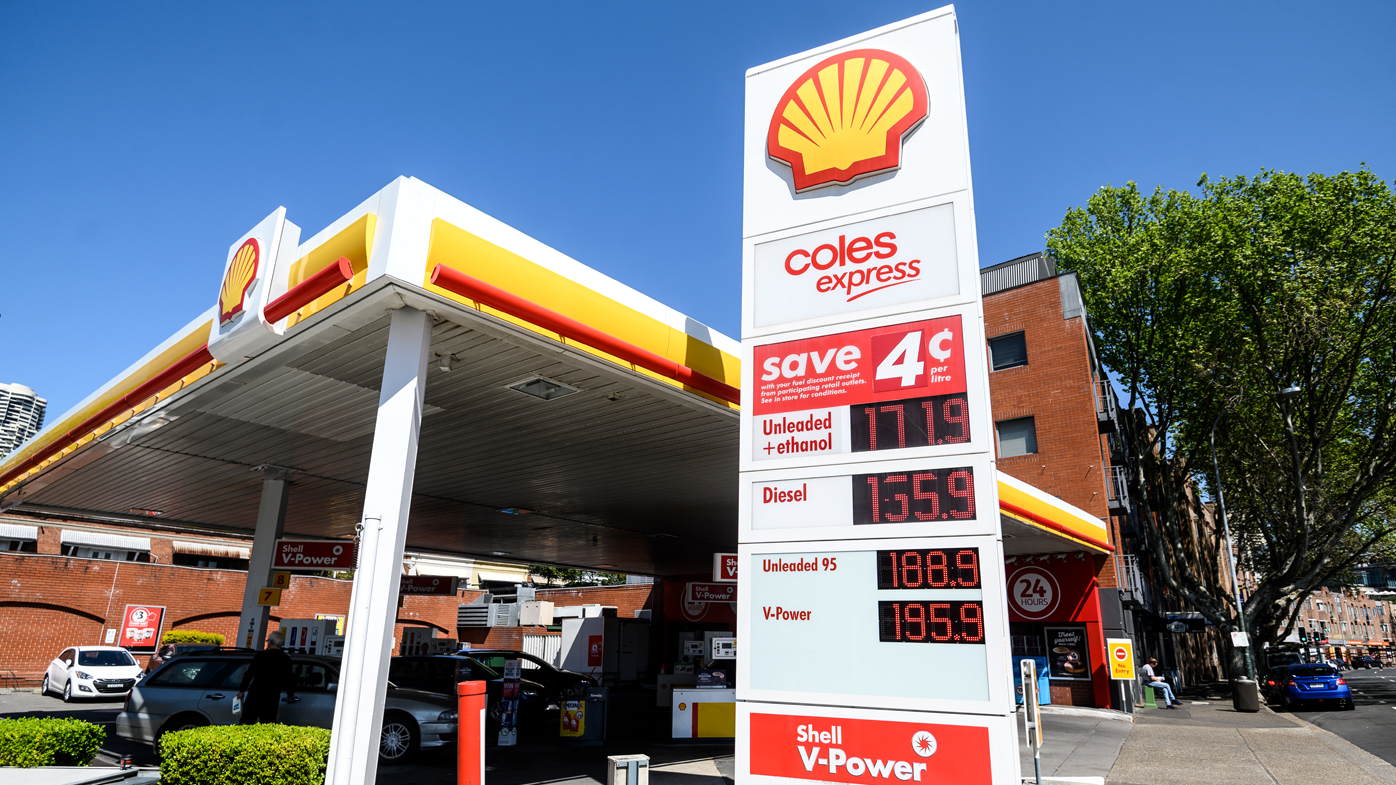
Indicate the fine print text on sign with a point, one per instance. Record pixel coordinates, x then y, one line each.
313 555
885 388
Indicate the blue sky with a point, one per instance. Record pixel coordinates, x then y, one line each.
138 140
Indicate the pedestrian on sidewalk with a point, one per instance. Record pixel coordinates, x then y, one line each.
269 675
1152 680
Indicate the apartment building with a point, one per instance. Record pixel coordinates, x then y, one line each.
21 416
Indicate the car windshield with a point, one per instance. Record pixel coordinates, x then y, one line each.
1311 672
98 659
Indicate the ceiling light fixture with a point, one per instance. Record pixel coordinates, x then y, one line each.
148 513
544 388
515 511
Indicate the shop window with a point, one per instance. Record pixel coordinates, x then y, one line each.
1008 351
1017 437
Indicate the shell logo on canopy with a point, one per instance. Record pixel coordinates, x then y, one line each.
242 272
846 118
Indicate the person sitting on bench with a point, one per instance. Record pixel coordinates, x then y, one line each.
1153 681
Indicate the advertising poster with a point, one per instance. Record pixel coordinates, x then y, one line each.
1067 653
594 650
140 627
573 720
509 705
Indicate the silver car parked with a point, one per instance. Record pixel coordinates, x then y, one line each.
197 689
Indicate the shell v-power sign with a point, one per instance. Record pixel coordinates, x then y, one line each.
873 615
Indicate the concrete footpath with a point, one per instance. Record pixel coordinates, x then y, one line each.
1206 742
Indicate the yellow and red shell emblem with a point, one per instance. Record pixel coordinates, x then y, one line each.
242 271
846 117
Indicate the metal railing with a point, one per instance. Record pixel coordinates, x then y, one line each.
1117 487
1106 407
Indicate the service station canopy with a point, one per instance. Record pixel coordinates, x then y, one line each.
635 471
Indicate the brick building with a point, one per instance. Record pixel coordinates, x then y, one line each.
1344 624
68 581
1057 429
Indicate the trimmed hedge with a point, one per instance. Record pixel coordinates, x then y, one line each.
191 636
49 741
244 755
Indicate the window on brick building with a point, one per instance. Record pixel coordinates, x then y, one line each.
1008 351
1017 437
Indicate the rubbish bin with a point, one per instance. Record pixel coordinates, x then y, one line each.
582 720
1245 695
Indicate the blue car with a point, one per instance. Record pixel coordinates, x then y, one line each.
1291 685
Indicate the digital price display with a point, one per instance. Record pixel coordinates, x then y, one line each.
914 422
928 568
868 603
924 495
930 622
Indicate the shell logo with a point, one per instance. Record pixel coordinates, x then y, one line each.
239 278
846 117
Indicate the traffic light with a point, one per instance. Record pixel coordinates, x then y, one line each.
1303 635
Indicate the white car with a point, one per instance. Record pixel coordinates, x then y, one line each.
90 672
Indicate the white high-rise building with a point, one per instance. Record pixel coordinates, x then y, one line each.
21 416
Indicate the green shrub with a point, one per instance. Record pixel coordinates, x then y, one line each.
192 636
244 755
49 741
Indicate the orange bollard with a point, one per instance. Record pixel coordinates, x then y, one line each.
470 735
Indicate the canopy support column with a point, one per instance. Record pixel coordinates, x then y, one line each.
271 520
363 675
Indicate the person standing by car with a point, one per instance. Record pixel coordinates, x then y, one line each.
269 675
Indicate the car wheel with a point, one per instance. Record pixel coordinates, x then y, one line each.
68 692
43 689
179 722
1348 705
399 739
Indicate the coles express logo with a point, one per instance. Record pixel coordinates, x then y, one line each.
855 255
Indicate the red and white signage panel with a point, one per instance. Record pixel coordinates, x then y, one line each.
858 746
429 585
725 567
712 592
140 627
313 555
869 516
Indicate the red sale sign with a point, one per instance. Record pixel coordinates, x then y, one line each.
868 751
881 364
140 627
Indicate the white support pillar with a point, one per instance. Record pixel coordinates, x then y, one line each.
363 675
271 519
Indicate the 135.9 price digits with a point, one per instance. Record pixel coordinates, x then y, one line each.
930 622
914 496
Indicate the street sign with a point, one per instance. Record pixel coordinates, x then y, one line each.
1240 640
1121 658
269 597
868 510
313 555
1177 626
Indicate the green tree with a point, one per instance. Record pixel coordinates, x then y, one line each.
1208 304
569 577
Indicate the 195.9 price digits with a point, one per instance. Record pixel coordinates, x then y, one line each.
930 622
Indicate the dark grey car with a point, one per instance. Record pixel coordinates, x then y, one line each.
194 690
